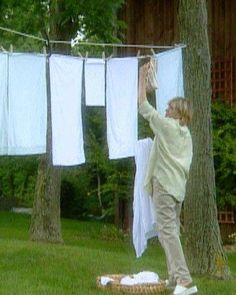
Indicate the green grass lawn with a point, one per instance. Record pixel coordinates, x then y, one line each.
90 249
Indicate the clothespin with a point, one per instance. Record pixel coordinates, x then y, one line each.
138 53
86 55
11 48
80 54
109 57
103 55
152 51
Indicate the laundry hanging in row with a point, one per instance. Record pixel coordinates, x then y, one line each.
23 114
23 101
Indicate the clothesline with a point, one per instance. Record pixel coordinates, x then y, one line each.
77 42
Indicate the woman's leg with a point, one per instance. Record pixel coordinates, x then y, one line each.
167 212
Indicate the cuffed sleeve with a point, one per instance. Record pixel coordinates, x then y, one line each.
146 110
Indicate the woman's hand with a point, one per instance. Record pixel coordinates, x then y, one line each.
143 70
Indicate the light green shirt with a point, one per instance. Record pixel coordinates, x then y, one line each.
171 153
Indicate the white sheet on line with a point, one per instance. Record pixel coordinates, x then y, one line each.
94 71
27 111
169 77
144 220
66 90
3 103
122 84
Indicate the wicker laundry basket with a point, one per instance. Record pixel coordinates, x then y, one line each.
115 286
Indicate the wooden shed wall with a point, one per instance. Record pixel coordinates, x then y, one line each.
222 35
222 18
155 22
150 22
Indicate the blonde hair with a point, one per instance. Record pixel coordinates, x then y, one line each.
183 109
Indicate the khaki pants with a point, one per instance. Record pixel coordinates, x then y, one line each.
168 222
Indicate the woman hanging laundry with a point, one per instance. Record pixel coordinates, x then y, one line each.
166 176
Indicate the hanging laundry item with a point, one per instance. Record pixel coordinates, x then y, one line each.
3 103
66 90
27 104
144 221
94 73
122 84
169 77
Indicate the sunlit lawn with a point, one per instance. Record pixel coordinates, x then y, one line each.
90 249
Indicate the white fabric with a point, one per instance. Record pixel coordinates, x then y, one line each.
169 77
122 84
66 88
27 109
144 220
3 103
94 74
106 280
144 277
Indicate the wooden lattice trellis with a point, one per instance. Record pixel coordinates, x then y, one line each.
226 216
222 79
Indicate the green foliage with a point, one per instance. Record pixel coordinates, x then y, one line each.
25 16
92 24
95 19
17 179
224 136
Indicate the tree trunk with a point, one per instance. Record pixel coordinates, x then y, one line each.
45 222
204 251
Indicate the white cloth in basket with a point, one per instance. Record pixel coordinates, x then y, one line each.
143 277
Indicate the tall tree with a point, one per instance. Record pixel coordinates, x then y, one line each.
204 249
45 221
